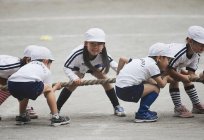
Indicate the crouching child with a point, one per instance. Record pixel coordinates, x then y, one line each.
32 80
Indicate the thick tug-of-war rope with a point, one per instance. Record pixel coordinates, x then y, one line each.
197 79
89 82
83 83
97 81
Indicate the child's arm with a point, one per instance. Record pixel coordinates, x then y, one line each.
179 76
162 81
121 63
57 86
114 65
70 74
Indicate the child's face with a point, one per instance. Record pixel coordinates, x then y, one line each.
47 63
163 62
94 48
196 47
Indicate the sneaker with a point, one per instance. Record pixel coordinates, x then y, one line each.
32 113
145 117
198 109
119 111
182 112
152 113
21 120
60 121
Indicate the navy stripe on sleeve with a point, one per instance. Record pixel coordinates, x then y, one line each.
177 56
10 66
190 69
71 58
154 76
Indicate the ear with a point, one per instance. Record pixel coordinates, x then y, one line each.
189 40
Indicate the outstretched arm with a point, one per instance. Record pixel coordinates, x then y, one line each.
121 63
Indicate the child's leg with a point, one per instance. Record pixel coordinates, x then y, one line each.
23 104
64 95
24 117
193 95
56 119
50 97
3 96
110 92
179 110
175 94
149 95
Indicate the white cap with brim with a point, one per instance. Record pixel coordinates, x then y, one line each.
160 49
29 49
196 33
42 53
95 35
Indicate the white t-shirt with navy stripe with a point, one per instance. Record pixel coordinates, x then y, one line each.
75 62
32 72
9 65
137 71
181 60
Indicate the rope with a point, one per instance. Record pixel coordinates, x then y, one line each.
89 82
3 87
197 79
83 83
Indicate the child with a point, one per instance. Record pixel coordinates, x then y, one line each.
186 56
141 78
91 58
8 66
32 80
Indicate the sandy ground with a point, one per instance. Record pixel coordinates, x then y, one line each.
131 27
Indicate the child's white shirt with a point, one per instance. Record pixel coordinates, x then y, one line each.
181 60
137 71
32 72
9 65
75 62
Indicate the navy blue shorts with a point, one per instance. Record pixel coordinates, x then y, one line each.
131 93
29 90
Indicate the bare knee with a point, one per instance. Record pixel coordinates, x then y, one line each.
187 84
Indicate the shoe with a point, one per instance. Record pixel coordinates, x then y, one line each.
32 113
198 109
21 120
145 117
60 121
152 113
119 111
182 112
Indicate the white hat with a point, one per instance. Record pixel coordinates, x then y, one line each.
196 33
41 53
160 49
28 50
95 34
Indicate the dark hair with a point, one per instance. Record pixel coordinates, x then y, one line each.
41 60
23 61
105 60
